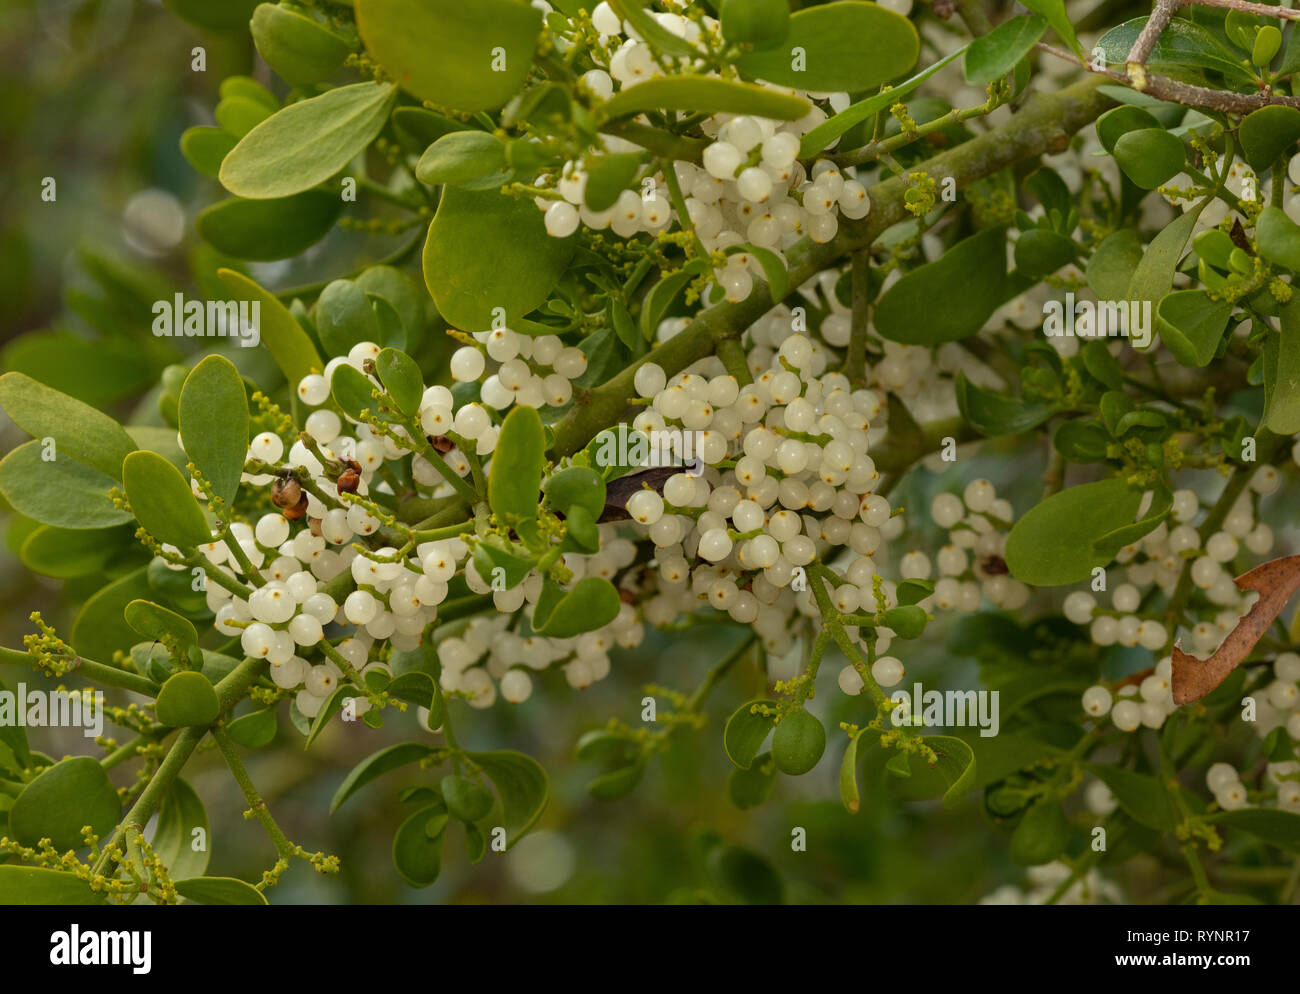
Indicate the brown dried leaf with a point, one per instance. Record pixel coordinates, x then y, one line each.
617 492
1276 582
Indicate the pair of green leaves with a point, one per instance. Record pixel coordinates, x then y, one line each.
952 774
521 784
62 482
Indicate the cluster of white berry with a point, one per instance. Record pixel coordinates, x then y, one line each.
786 479
392 599
970 566
520 377
1145 704
750 189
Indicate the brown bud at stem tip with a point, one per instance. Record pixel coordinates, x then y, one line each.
350 479
286 492
298 510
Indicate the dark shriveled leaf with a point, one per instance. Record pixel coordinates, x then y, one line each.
1276 581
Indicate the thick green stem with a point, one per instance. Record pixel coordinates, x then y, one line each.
232 687
855 362
283 846
147 804
109 676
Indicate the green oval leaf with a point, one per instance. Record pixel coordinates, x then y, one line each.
686 92
521 784
592 603
907 621
995 54
1111 266
1182 45
1054 544
205 148
949 778
175 840
213 416
79 431
761 23
62 493
1149 156
617 784
1278 238
283 337
28 885
461 157
923 308
255 729
263 230
577 486
299 49
847 45
1140 795
750 788
162 502
376 765
1276 827
308 142
219 890
1119 121
1040 252
417 855
746 732
64 553
61 801
466 799
353 391
516 476
156 622
401 378
1191 324
1154 275
798 742
487 251
485 48
187 698
1041 835
1282 370
992 413
829 130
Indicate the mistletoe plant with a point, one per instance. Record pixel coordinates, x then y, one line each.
700 314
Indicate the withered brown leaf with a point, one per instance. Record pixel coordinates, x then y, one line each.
618 491
1275 581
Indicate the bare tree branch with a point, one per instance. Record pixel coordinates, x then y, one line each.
1163 88
1147 39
